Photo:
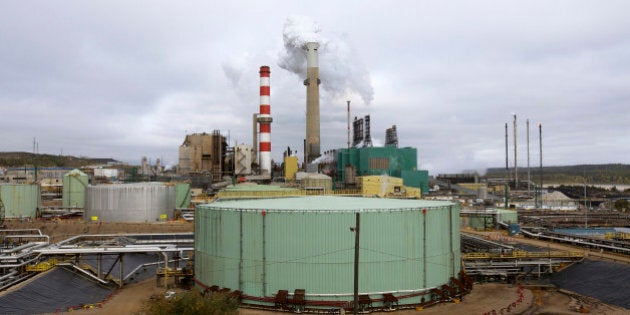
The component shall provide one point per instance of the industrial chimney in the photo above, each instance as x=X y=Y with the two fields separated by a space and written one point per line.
x=264 y=122
x=312 y=103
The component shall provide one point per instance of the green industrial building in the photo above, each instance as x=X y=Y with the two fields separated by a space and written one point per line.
x=392 y=161
x=407 y=247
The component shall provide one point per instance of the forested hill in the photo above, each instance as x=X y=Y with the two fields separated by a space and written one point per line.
x=614 y=174
x=18 y=159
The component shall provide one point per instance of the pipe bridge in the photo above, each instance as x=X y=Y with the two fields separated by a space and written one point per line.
x=26 y=252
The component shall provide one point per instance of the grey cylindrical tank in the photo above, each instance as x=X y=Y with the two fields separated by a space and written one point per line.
x=142 y=202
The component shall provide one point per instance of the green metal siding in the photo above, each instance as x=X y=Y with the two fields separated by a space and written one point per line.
x=74 y=184
x=418 y=179
x=507 y=216
x=400 y=160
x=182 y=195
x=314 y=250
x=20 y=201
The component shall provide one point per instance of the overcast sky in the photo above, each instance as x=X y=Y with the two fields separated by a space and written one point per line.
x=126 y=79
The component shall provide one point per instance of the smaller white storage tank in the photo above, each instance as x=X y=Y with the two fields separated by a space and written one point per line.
x=74 y=184
x=140 y=202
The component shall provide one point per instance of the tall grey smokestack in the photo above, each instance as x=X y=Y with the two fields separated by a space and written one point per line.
x=312 y=102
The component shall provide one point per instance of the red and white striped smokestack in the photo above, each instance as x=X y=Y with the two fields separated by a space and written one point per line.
x=264 y=121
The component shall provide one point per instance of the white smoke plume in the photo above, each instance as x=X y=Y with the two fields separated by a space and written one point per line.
x=339 y=70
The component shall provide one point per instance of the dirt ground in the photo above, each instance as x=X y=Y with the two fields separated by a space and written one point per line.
x=60 y=230
x=483 y=299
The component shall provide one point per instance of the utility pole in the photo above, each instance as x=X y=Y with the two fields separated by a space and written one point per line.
x=528 y=174
x=541 y=164
x=585 y=208
x=507 y=169
x=356 y=263
x=515 y=158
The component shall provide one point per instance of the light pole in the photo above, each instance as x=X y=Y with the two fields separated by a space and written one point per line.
x=355 y=229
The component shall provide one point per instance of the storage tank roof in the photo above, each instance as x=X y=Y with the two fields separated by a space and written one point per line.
x=75 y=172
x=250 y=187
x=328 y=203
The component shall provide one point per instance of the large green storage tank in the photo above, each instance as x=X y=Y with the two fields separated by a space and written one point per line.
x=74 y=184
x=20 y=200
x=262 y=246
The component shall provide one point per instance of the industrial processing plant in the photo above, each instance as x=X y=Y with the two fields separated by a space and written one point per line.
x=356 y=227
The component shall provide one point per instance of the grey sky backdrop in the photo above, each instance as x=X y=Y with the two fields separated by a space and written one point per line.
x=126 y=79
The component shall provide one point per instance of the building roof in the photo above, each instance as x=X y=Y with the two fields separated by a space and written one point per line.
x=555 y=196
x=327 y=203
x=254 y=187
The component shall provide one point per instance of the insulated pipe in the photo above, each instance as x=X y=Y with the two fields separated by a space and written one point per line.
x=264 y=121
x=9 y=275
x=255 y=138
x=26 y=253
x=24 y=263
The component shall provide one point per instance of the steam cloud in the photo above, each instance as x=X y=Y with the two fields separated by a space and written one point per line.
x=340 y=72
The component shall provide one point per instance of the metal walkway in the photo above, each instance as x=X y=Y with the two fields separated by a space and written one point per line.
x=24 y=253
x=487 y=259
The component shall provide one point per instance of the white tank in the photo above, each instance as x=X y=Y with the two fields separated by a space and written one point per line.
x=141 y=202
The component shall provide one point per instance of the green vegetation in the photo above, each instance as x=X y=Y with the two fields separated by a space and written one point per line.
x=614 y=174
x=191 y=303
x=622 y=205
x=19 y=159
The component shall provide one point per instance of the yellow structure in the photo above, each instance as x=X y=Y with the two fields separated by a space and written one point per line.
x=386 y=186
x=290 y=167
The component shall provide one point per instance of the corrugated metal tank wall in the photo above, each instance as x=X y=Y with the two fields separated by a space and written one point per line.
x=401 y=249
x=74 y=184
x=20 y=200
x=182 y=192
x=130 y=202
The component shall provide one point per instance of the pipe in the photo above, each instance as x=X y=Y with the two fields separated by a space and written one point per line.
x=16 y=249
x=29 y=236
x=264 y=254
x=412 y=291
x=83 y=272
x=255 y=158
x=148 y=264
x=22 y=230
x=9 y=275
x=31 y=250
x=24 y=263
